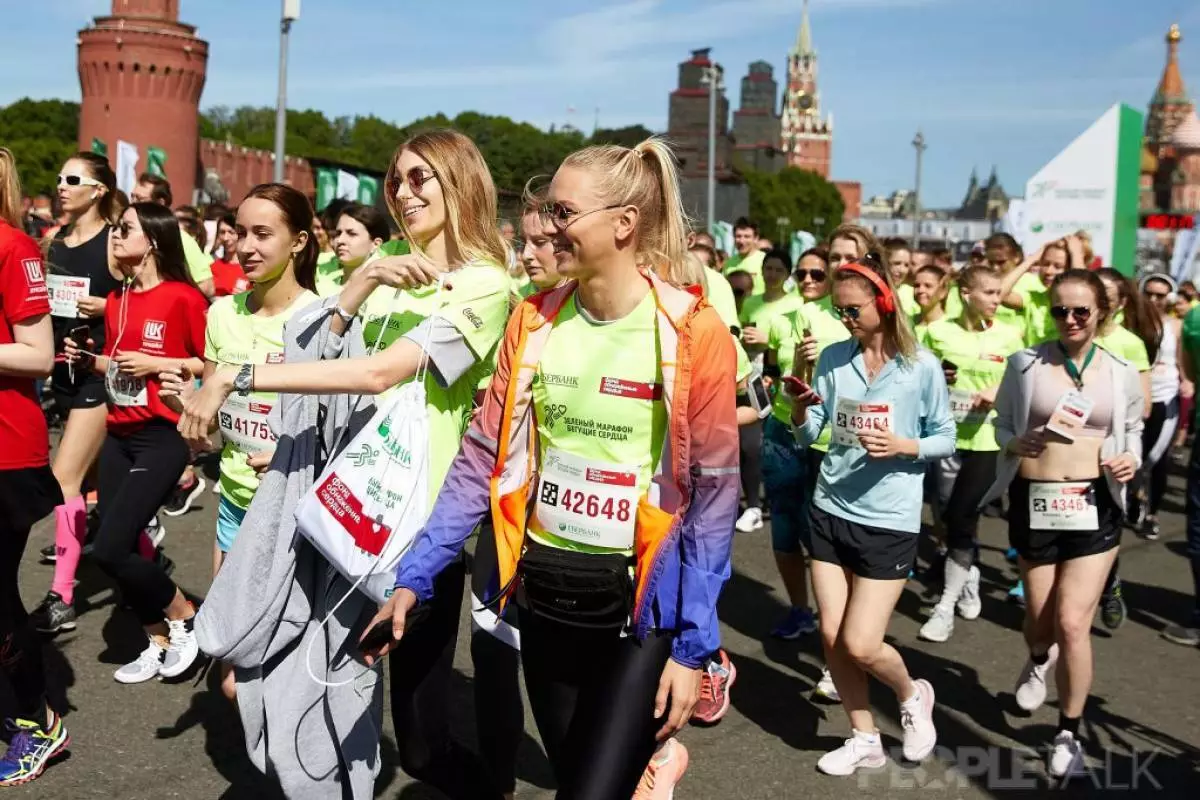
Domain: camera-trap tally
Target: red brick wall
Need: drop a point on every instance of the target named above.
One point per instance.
(241, 169)
(852, 196)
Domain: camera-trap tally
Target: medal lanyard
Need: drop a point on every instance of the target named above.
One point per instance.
(1075, 372)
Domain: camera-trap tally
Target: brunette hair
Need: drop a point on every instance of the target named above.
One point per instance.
(468, 189)
(1092, 281)
(189, 219)
(166, 241)
(896, 326)
(744, 223)
(297, 214)
(780, 255)
(819, 252)
(98, 168)
(370, 218)
(1137, 316)
(1005, 240)
(160, 188)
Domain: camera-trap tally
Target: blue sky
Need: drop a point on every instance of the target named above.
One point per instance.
(1006, 83)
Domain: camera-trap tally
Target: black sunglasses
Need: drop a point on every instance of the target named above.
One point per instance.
(817, 275)
(1081, 313)
(1157, 295)
(416, 178)
(849, 312)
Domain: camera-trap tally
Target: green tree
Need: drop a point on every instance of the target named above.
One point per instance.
(800, 196)
(628, 136)
(42, 134)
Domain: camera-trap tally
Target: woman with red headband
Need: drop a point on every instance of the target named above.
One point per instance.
(887, 406)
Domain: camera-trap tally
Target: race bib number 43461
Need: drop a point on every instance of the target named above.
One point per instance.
(852, 417)
(587, 501)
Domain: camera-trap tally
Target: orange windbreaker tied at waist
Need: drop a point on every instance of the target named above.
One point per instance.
(684, 526)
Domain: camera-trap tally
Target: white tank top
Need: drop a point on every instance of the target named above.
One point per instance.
(1164, 377)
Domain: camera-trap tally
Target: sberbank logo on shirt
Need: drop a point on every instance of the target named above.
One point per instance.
(553, 379)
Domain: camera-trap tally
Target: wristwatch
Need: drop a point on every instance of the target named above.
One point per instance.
(345, 316)
(243, 382)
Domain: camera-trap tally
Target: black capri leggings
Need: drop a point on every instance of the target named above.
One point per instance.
(421, 668)
(26, 495)
(137, 473)
(975, 474)
(592, 694)
(750, 439)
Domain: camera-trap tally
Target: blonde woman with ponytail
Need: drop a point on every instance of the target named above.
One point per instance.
(633, 452)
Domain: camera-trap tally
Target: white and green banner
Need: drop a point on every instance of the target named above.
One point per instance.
(1092, 185)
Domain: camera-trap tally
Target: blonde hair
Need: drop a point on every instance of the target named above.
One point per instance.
(470, 194)
(535, 195)
(688, 271)
(896, 327)
(645, 176)
(864, 241)
(10, 188)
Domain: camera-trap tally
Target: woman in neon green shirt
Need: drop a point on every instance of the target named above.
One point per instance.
(357, 238)
(931, 286)
(440, 191)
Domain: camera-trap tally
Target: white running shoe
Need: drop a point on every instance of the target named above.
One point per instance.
(1066, 757)
(826, 689)
(156, 531)
(183, 650)
(860, 751)
(969, 604)
(145, 667)
(1031, 686)
(916, 716)
(940, 625)
(751, 520)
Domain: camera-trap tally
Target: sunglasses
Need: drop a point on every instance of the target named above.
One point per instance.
(562, 217)
(1081, 313)
(416, 178)
(817, 275)
(77, 180)
(1157, 295)
(849, 312)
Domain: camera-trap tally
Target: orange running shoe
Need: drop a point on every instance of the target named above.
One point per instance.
(664, 771)
(715, 683)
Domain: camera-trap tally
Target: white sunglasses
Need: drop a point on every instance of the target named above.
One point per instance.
(77, 180)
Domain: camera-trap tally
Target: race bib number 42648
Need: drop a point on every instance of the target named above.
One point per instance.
(587, 501)
(852, 417)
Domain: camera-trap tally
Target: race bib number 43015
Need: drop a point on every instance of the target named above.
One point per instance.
(852, 417)
(587, 501)
(65, 293)
(243, 422)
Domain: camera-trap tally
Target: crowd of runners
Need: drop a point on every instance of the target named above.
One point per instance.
(603, 398)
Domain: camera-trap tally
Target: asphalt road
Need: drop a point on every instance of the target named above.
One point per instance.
(1142, 725)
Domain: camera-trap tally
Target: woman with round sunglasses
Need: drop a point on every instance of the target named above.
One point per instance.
(80, 275)
(1069, 424)
(785, 465)
(886, 403)
(28, 490)
(973, 350)
(153, 323)
(444, 304)
(637, 452)
(358, 236)
(931, 287)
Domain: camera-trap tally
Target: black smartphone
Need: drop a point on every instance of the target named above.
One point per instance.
(79, 335)
(377, 637)
(949, 365)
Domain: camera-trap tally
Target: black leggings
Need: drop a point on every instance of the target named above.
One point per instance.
(137, 473)
(976, 472)
(750, 439)
(26, 495)
(1153, 477)
(499, 713)
(592, 694)
(421, 668)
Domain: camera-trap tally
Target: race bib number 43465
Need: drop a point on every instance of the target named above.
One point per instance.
(852, 417)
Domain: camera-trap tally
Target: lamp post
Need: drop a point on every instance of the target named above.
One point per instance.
(290, 13)
(713, 79)
(918, 144)
(783, 227)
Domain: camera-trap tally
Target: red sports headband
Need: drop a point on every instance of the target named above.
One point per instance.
(886, 301)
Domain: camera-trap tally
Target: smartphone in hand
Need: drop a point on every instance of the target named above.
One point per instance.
(797, 387)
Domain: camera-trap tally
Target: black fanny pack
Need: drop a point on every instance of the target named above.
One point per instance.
(583, 590)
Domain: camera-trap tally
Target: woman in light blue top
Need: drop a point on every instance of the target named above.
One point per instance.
(888, 408)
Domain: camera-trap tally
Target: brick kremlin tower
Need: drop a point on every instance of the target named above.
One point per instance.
(807, 138)
(141, 72)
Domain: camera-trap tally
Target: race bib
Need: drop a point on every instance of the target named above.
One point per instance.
(853, 417)
(124, 390)
(1069, 415)
(586, 501)
(962, 407)
(1063, 507)
(65, 293)
(243, 422)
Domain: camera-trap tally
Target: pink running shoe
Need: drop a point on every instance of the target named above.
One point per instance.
(664, 771)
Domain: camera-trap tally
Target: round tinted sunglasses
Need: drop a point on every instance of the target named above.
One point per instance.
(562, 217)
(849, 312)
(416, 178)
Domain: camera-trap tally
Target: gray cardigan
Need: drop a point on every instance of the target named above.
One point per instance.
(1015, 395)
(274, 589)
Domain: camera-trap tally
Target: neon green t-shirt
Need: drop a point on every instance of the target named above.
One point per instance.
(720, 295)
(1120, 341)
(981, 357)
(908, 303)
(477, 306)
(752, 263)
(331, 276)
(234, 335)
(954, 304)
(601, 427)
(827, 328)
(1026, 287)
(199, 263)
(1039, 325)
(758, 311)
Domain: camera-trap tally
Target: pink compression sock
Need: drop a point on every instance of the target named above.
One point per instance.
(145, 546)
(70, 527)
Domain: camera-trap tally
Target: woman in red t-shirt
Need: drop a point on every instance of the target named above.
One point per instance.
(228, 275)
(28, 490)
(155, 322)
